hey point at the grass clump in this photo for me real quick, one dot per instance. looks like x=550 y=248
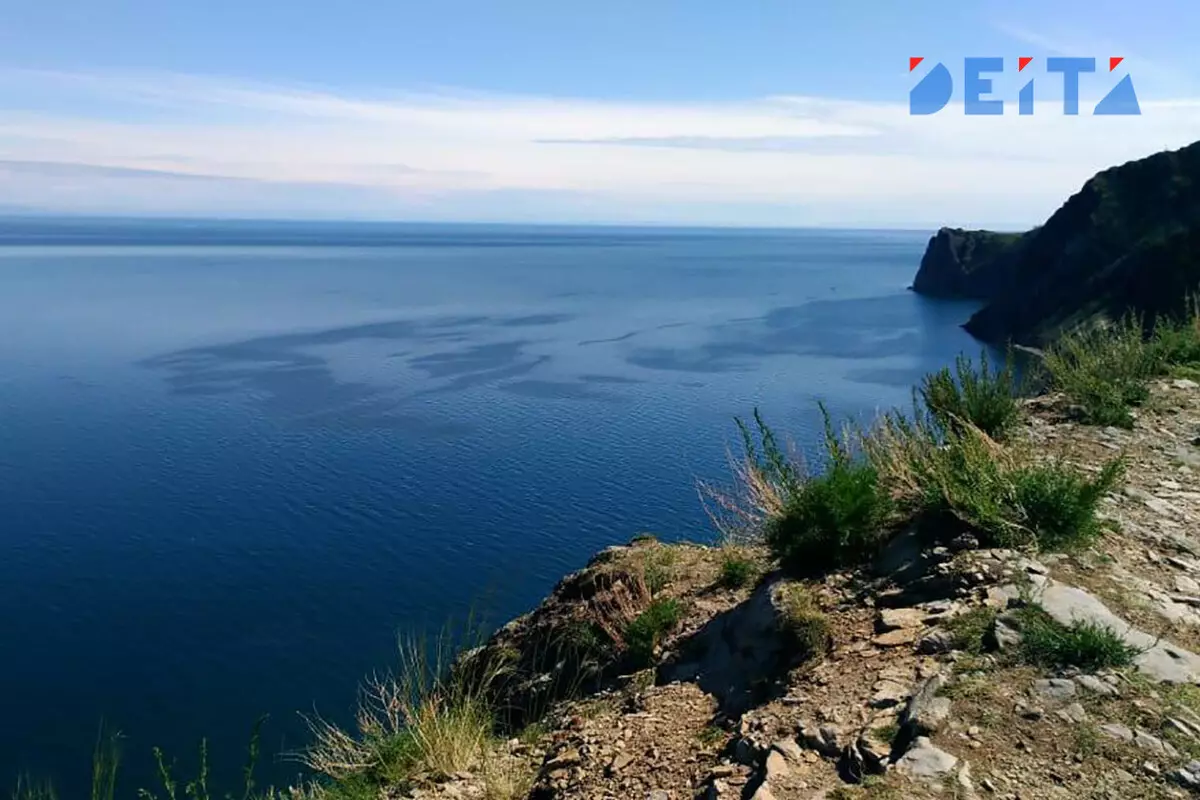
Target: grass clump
x=970 y=629
x=1106 y=371
x=979 y=396
x=425 y=717
x=658 y=564
x=646 y=631
x=737 y=570
x=804 y=623
x=813 y=522
x=1045 y=642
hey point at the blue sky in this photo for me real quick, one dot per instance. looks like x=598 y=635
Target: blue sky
x=706 y=112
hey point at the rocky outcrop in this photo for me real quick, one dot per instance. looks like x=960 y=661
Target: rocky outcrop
x=1128 y=241
x=966 y=264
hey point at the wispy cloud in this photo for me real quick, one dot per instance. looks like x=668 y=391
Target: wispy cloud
x=72 y=142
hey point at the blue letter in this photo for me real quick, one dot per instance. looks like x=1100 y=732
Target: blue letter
x=975 y=86
x=1025 y=99
x=1121 y=101
x=932 y=93
x=1070 y=68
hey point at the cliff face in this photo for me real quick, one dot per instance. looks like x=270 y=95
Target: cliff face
x=1129 y=240
x=966 y=264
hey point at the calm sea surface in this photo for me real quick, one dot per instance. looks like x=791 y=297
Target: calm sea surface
x=237 y=459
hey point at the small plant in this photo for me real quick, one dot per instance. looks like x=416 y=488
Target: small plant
x=657 y=566
x=1045 y=642
x=644 y=633
x=197 y=788
x=836 y=518
x=1175 y=342
x=736 y=569
x=712 y=735
x=887 y=733
x=805 y=625
x=979 y=396
x=1106 y=371
x=29 y=789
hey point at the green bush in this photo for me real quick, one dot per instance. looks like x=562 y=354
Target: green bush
x=1045 y=642
x=1175 y=342
x=736 y=569
x=646 y=631
x=983 y=397
x=1058 y=504
x=1106 y=371
x=1007 y=498
x=838 y=517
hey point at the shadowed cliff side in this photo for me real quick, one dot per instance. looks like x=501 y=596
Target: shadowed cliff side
x=966 y=264
x=1129 y=240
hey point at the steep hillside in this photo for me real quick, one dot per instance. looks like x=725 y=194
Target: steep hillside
x=1129 y=240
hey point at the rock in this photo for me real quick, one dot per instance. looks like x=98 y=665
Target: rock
x=924 y=760
x=1180 y=727
x=1072 y=713
x=1184 y=383
x=896 y=638
x=1186 y=585
x=1151 y=769
x=889 y=693
x=1005 y=632
x=1115 y=730
x=1097 y=686
x=776 y=766
x=891 y=619
x=1152 y=743
x=823 y=739
x=658 y=794
x=1001 y=597
x=1160 y=661
x=966 y=789
x=1186 y=779
x=762 y=793
x=789 y=749
x=936 y=641
x=927 y=710
x=1058 y=690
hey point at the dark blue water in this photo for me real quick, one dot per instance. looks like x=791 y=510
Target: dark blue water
x=236 y=459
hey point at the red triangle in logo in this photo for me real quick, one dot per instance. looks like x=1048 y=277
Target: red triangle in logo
x=1023 y=62
x=913 y=61
x=1113 y=61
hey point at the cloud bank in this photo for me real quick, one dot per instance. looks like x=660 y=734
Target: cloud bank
x=178 y=144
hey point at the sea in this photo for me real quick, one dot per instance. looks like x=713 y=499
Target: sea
x=240 y=460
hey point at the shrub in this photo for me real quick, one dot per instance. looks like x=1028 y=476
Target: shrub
x=805 y=625
x=736 y=569
x=644 y=633
x=997 y=491
x=835 y=518
x=980 y=396
x=1106 y=371
x=1058 y=504
x=1045 y=642
x=1175 y=342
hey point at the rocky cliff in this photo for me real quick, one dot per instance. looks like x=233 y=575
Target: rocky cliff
x=1128 y=241
x=966 y=264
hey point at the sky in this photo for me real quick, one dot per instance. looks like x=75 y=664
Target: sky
x=704 y=112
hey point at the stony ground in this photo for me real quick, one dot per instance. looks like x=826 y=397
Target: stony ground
x=908 y=703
